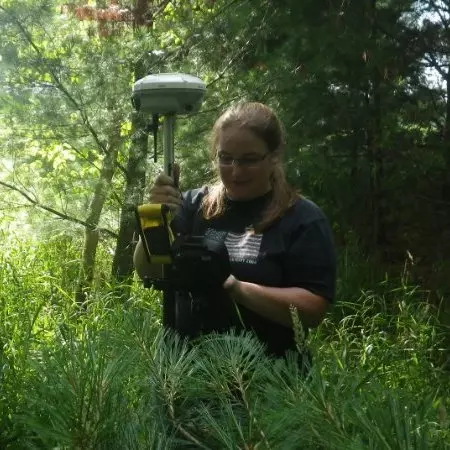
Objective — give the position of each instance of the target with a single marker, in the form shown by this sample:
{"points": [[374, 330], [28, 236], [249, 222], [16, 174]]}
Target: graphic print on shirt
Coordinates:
{"points": [[242, 247]]}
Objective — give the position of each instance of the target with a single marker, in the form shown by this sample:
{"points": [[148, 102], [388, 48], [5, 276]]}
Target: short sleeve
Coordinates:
{"points": [[311, 260], [183, 220]]}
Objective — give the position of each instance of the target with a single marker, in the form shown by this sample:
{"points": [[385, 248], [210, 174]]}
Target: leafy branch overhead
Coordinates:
{"points": [[53, 211]]}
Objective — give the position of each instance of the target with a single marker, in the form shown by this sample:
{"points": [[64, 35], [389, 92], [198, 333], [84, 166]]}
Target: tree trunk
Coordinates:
{"points": [[374, 140], [447, 120], [91, 236], [122, 267], [377, 163]]}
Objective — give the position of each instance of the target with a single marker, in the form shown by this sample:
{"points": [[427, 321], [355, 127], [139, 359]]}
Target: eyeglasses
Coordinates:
{"points": [[246, 161]]}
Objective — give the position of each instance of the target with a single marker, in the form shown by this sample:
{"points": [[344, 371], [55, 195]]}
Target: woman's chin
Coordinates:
{"points": [[244, 191], [239, 193]]}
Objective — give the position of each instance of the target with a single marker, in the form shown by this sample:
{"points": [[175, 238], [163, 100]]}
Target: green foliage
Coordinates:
{"points": [[347, 79], [107, 376], [365, 140]]}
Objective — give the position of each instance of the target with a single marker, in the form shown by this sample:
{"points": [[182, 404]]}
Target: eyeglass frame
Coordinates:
{"points": [[245, 162]]}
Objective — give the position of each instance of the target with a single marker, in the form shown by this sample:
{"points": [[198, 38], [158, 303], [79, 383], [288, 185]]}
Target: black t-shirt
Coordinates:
{"points": [[296, 250]]}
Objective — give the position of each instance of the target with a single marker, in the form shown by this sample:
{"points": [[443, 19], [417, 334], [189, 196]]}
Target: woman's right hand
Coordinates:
{"points": [[165, 190]]}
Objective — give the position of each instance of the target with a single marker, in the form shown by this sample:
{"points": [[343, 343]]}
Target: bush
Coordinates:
{"points": [[108, 377]]}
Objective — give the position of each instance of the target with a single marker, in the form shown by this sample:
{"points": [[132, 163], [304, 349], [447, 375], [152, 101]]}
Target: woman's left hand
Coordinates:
{"points": [[274, 303], [231, 283]]}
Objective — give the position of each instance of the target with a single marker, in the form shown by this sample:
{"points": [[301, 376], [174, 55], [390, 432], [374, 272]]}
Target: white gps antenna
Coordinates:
{"points": [[168, 95]]}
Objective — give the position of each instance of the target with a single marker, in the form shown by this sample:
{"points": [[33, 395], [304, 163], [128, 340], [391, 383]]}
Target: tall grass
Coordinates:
{"points": [[109, 377]]}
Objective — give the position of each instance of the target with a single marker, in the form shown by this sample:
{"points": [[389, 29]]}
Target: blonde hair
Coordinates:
{"points": [[262, 121]]}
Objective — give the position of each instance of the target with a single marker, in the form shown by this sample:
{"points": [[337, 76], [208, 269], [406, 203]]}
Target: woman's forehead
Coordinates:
{"points": [[240, 139]]}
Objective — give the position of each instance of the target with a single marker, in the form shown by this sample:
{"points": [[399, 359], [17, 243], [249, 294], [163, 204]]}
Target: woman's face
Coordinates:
{"points": [[244, 162]]}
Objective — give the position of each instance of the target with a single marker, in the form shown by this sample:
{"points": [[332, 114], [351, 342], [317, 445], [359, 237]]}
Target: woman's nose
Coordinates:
{"points": [[236, 168]]}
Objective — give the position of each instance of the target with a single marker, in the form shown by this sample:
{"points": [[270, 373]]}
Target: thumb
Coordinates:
{"points": [[176, 174]]}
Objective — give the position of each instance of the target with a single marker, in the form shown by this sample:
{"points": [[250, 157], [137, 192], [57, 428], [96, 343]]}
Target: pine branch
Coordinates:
{"points": [[187, 45], [435, 64], [438, 11], [183, 430], [240, 53], [252, 417], [54, 211]]}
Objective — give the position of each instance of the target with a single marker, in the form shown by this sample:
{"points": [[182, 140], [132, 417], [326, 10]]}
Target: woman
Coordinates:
{"points": [[280, 244]]}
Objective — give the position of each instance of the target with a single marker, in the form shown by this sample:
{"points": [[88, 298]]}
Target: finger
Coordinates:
{"points": [[230, 283], [173, 205], [162, 180], [163, 198], [165, 190]]}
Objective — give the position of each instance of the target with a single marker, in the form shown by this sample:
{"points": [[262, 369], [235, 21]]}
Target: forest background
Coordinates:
{"points": [[362, 87]]}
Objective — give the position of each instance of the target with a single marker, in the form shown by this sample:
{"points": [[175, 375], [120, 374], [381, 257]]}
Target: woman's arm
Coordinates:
{"points": [[309, 269], [274, 303]]}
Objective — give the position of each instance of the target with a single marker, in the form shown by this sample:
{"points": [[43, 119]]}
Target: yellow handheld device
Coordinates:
{"points": [[156, 235]]}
